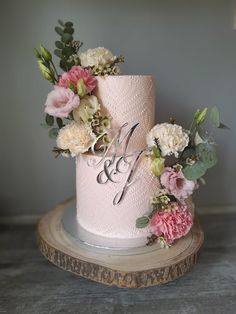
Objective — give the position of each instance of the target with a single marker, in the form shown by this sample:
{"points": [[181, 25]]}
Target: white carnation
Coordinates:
{"points": [[172, 138], [78, 138], [96, 57]]}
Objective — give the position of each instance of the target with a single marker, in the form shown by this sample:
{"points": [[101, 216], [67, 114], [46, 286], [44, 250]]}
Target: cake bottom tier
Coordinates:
{"points": [[100, 222]]}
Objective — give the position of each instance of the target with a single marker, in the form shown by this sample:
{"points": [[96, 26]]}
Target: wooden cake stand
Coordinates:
{"points": [[134, 268]]}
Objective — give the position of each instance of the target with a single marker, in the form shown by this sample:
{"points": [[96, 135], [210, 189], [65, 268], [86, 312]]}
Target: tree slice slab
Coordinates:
{"points": [[148, 268]]}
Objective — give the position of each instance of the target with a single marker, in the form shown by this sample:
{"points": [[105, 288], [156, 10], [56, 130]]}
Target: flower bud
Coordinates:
{"points": [[81, 88], [46, 54], [36, 53], [157, 166], [200, 116], [45, 71]]}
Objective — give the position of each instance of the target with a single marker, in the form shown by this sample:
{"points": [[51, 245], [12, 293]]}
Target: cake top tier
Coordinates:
{"points": [[129, 99]]}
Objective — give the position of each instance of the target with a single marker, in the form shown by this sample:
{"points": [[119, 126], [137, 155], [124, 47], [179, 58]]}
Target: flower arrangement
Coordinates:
{"points": [[179, 159], [73, 114]]}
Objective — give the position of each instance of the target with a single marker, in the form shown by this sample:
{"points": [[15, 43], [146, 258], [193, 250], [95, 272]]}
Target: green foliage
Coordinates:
{"points": [[215, 117], [207, 154], [66, 38], [195, 171], [65, 47], [49, 120], [59, 123], [59, 30], [59, 44], [156, 151], [142, 222], [53, 133]]}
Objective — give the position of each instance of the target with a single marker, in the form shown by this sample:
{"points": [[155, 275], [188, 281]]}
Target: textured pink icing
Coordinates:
{"points": [[127, 99], [95, 210]]}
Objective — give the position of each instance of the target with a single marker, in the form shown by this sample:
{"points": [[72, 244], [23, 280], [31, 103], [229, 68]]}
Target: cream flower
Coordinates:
{"points": [[172, 138], [96, 57], [88, 107], [78, 138]]}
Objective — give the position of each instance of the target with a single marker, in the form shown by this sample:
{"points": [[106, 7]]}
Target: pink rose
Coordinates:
{"points": [[75, 74], [61, 101], [172, 224], [176, 183]]}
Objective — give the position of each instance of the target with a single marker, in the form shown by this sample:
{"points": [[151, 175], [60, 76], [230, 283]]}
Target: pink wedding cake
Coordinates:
{"points": [[134, 179], [128, 99]]}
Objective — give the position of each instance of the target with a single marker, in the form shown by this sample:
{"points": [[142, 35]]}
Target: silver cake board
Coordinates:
{"points": [[59, 241]]}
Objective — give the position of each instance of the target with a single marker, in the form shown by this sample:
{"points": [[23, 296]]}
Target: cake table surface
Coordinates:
{"points": [[30, 284]]}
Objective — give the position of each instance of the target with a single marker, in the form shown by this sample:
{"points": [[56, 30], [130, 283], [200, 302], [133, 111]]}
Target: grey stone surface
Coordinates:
{"points": [[29, 284]]}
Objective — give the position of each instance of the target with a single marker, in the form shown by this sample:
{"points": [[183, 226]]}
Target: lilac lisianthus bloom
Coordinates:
{"points": [[176, 183], [61, 101]]}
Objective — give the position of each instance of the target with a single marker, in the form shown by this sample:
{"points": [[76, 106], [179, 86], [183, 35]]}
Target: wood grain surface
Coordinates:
{"points": [[144, 269]]}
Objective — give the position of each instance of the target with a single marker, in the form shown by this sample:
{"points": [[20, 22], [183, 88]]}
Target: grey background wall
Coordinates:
{"points": [[189, 46]]}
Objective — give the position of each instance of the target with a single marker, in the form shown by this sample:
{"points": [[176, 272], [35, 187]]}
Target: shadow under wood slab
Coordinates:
{"points": [[134, 268]]}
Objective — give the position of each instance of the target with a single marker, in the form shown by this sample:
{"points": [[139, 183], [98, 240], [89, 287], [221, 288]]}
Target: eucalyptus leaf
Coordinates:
{"points": [[142, 222], [63, 65], [44, 125], [59, 123], [61, 23], [59, 44], [207, 154], [69, 30], [59, 30], [58, 53], [66, 38], [53, 133], [49, 120], [215, 117], [68, 24], [68, 51], [195, 171]]}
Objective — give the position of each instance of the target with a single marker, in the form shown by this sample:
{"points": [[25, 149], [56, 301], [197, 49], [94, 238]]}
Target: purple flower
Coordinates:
{"points": [[177, 185]]}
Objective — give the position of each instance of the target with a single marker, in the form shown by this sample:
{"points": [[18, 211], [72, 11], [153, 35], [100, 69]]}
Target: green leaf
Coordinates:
{"points": [[194, 171], [58, 53], [156, 151], [207, 154], [59, 30], [63, 65], [59, 123], [59, 44], [53, 133], [44, 125], [61, 23], [69, 30], [71, 86], [49, 120], [68, 24], [142, 222], [66, 38], [215, 117], [68, 51]]}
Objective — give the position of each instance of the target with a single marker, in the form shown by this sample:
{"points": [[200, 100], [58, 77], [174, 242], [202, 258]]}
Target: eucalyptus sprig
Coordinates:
{"points": [[66, 46]]}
